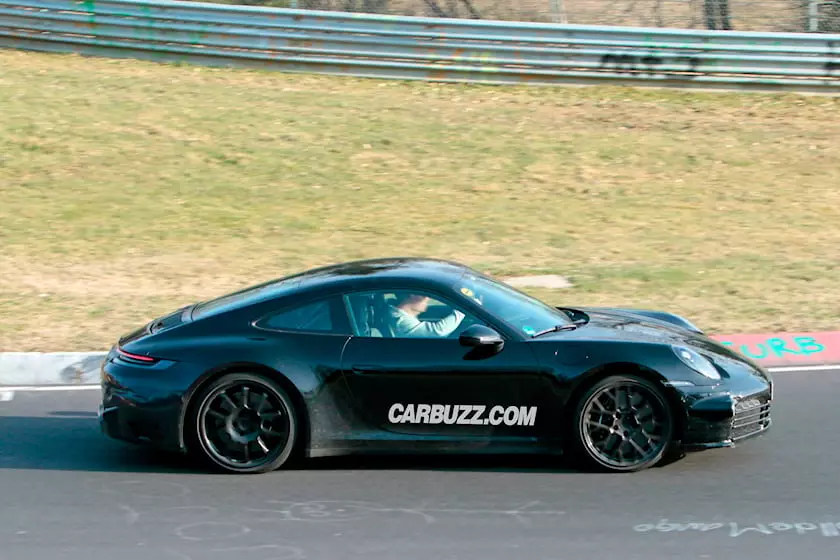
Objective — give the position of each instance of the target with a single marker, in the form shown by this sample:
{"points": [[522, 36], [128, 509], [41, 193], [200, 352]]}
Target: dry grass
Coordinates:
{"points": [[129, 188]]}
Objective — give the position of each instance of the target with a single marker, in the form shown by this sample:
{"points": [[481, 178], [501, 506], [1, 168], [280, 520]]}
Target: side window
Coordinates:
{"points": [[318, 316], [405, 314]]}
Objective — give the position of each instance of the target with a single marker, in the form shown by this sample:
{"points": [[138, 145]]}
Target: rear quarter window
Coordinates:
{"points": [[322, 316]]}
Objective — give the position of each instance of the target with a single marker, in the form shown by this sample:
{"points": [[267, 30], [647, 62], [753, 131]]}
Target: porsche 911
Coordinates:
{"points": [[424, 356]]}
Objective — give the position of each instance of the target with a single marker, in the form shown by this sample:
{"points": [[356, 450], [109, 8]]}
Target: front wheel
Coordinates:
{"points": [[622, 424], [244, 423]]}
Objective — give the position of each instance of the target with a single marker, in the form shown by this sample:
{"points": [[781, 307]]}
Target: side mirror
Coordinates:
{"points": [[479, 336]]}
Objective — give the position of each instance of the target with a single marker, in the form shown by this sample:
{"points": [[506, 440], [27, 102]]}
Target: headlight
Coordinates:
{"points": [[696, 362]]}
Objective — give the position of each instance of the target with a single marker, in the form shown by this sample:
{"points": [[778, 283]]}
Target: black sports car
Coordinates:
{"points": [[424, 356]]}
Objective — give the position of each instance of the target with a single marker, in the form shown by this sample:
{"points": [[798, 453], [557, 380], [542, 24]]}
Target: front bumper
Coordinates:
{"points": [[725, 420], [736, 411]]}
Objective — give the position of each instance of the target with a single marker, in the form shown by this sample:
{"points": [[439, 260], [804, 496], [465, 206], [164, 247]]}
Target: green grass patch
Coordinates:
{"points": [[127, 188]]}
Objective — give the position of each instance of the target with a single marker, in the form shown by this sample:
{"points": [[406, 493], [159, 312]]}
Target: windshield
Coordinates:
{"points": [[519, 310]]}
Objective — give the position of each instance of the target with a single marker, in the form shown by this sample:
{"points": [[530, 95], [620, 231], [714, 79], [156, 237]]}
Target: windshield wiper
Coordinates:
{"points": [[556, 328]]}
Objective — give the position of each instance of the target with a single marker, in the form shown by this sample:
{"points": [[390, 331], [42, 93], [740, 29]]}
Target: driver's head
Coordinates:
{"points": [[413, 303]]}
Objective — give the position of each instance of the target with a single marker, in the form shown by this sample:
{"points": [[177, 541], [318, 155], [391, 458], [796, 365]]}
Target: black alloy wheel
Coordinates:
{"points": [[623, 424], [245, 423]]}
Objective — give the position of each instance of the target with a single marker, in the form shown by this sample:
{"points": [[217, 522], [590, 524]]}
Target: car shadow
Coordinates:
{"points": [[458, 462], [71, 441], [444, 463]]}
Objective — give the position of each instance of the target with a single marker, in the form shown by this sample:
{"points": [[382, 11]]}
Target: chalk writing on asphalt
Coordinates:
{"points": [[797, 346], [733, 529]]}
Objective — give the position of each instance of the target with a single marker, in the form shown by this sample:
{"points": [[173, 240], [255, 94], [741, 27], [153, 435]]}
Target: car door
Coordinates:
{"points": [[434, 386]]}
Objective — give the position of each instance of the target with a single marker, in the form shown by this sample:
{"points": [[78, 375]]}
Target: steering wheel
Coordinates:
{"points": [[468, 321]]}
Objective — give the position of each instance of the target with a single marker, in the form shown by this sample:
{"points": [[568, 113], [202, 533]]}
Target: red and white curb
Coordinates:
{"points": [[49, 368], [780, 350]]}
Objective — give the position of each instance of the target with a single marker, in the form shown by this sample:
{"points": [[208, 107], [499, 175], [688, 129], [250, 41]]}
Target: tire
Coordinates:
{"points": [[243, 423], [632, 437]]}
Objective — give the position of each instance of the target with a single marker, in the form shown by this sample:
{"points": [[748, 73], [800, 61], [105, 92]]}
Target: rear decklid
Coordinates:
{"points": [[160, 324]]}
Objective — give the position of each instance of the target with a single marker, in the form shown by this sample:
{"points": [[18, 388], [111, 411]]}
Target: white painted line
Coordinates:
{"points": [[51, 388], [6, 396], [788, 369]]}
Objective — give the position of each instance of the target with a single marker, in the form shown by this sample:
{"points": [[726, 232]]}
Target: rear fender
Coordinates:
{"points": [[297, 398]]}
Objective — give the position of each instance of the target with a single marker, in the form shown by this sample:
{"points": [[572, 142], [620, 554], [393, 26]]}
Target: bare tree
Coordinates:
{"points": [[367, 6], [830, 17], [717, 14], [452, 10]]}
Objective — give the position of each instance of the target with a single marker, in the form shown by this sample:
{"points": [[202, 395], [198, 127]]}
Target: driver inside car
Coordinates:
{"points": [[406, 323]]}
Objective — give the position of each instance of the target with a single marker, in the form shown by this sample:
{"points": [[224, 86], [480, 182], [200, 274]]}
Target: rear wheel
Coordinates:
{"points": [[244, 423], [622, 424]]}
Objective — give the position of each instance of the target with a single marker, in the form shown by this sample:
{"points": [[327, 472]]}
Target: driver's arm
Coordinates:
{"points": [[412, 326]]}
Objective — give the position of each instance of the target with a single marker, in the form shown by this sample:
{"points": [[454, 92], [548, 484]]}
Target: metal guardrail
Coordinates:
{"points": [[479, 51]]}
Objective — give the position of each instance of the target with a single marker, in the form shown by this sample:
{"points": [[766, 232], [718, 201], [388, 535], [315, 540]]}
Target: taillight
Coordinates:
{"points": [[135, 357]]}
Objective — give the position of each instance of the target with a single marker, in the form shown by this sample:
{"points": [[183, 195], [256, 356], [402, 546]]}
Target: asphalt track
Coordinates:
{"points": [[67, 493]]}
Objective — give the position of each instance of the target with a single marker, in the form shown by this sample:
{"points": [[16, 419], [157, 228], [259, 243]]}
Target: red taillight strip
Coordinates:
{"points": [[137, 357]]}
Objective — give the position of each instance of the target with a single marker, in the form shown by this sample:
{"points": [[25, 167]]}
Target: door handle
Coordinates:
{"points": [[366, 368]]}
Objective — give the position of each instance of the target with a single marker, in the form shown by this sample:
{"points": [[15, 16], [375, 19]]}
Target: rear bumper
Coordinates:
{"points": [[137, 426], [141, 404]]}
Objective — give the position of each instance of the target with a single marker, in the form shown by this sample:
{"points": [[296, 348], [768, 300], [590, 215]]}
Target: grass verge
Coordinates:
{"points": [[128, 188]]}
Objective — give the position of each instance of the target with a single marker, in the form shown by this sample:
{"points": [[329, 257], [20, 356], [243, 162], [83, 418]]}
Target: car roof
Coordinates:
{"points": [[428, 271]]}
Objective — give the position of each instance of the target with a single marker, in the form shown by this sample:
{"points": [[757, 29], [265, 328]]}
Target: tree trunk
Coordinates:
{"points": [[717, 14]]}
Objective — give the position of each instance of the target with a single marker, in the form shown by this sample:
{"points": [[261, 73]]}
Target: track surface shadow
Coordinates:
{"points": [[71, 441]]}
